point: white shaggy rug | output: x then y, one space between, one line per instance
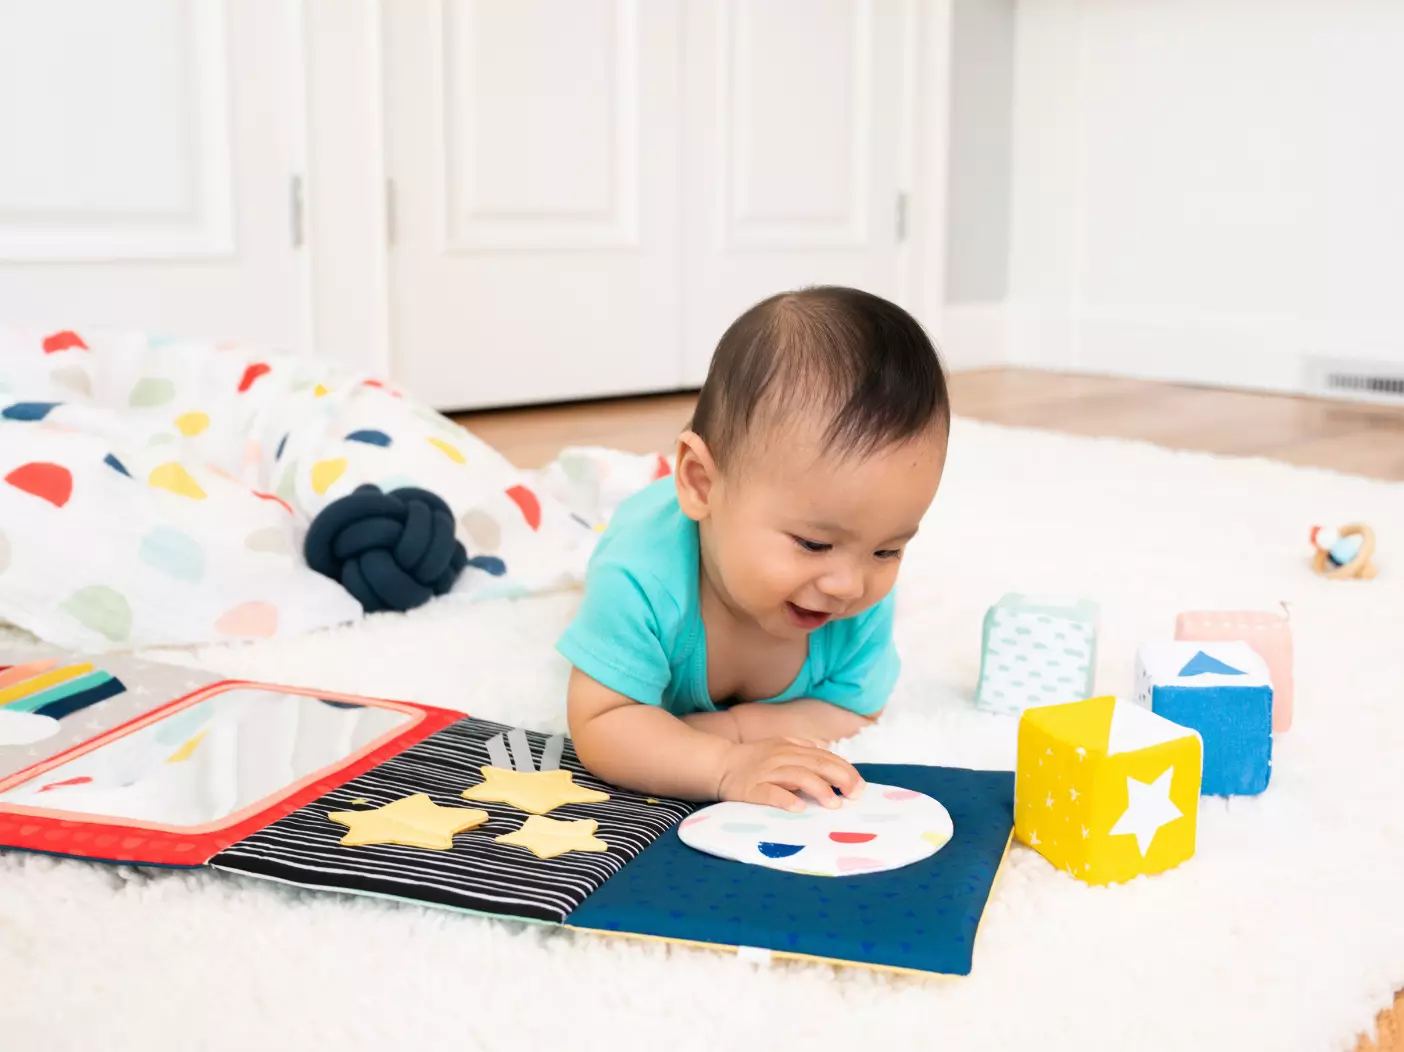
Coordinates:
1285 932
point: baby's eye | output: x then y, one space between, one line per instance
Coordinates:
812 546
889 553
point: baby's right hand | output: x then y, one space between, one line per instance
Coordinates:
772 771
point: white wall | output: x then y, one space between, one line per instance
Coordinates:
981 105
1207 190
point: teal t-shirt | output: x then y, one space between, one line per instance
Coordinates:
639 628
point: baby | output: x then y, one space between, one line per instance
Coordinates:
738 615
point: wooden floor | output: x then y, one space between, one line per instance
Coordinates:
1357 438
1389 1030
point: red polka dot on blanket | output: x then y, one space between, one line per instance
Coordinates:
63 341
50 482
252 373
527 501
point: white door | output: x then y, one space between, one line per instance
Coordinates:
795 112
147 152
533 151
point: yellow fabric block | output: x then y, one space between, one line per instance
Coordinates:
1107 790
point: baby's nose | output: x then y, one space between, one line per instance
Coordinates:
845 587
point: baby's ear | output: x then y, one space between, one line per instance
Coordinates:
694 476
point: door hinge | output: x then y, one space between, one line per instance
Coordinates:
901 216
390 211
296 212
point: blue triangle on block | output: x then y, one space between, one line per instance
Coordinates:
1202 663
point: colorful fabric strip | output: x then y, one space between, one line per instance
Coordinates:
39 699
42 682
78 702
16 673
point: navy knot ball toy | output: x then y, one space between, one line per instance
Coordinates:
392 551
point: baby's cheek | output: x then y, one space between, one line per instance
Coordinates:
774 570
881 582
787 575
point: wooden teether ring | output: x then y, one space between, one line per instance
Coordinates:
1360 567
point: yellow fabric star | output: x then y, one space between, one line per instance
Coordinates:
536 792
548 837
414 821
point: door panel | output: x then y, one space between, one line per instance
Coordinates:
792 156
148 155
533 147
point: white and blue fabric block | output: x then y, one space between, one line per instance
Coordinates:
1037 651
1223 691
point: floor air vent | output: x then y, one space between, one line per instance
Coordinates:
1366 381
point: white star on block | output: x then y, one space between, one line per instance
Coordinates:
1148 807
1074 793
1050 800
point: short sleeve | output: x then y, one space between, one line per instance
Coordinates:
617 637
862 665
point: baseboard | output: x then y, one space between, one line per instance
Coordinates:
972 335
1268 354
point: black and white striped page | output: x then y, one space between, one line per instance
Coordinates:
477 874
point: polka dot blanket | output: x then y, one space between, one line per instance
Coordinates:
157 492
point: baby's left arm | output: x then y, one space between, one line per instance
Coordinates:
809 719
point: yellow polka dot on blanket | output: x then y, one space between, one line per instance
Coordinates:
326 472
318 391
174 478
191 424
452 452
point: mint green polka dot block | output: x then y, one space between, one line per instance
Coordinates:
1037 651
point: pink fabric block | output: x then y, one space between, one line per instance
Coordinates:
1269 634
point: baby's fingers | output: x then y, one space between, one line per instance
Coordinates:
808 781
770 795
841 774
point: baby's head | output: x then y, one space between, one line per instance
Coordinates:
816 447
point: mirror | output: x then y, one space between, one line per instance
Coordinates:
211 760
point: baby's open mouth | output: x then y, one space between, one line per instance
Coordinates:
804 617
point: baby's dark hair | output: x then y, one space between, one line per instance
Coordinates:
862 361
